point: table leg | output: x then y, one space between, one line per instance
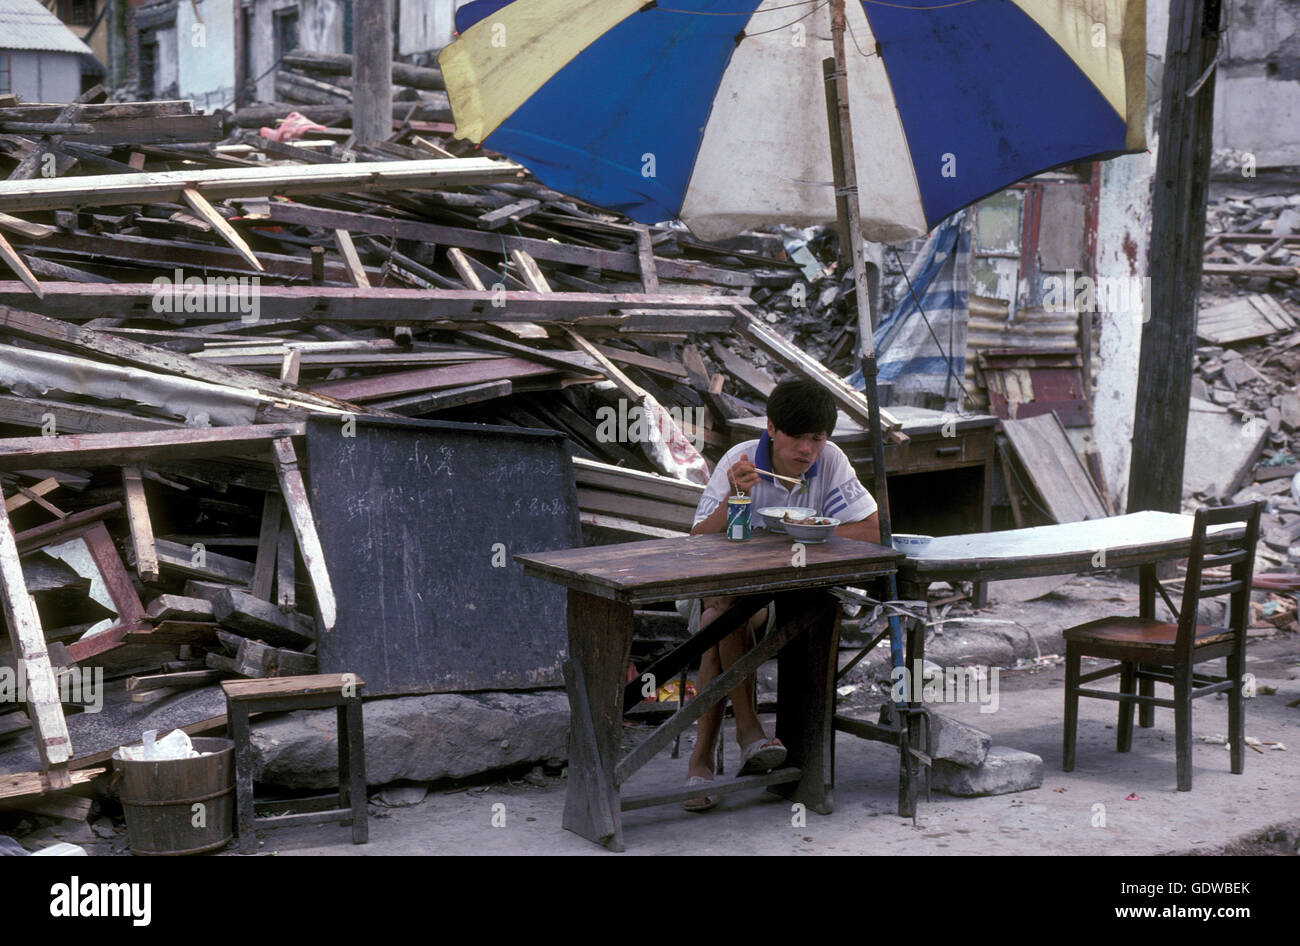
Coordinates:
806 696
600 643
979 589
237 720
907 771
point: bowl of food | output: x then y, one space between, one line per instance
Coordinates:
812 530
910 542
774 516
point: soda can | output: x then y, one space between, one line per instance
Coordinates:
738 518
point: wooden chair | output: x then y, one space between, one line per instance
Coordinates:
1152 651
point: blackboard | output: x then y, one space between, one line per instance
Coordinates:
420 522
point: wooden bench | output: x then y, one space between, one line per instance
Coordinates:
281 695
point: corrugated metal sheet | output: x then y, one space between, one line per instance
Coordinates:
25 24
988 328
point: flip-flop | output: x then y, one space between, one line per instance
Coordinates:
762 755
704 802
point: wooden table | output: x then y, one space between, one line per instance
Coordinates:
1140 539
607 582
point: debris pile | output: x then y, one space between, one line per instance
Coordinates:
1244 426
185 302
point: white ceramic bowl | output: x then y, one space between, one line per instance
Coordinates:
812 534
772 515
910 543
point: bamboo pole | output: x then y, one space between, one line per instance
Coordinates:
839 88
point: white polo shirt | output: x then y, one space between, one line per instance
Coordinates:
833 487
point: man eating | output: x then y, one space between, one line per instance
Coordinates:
800 418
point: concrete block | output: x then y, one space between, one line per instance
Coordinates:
1238 372
1004 770
958 743
1290 411
1221 450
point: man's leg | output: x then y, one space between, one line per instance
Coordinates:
714 661
733 647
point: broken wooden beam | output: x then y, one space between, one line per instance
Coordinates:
304 527
140 449
28 642
618 261
137 514
200 563
178 608
19 265
267 542
80 340
200 205
800 362
184 680
348 250
102 190
257 659
242 612
373 305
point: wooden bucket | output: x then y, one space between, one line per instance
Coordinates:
180 806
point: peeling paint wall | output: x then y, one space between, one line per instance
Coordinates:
424 26
320 29
1123 234
1257 89
205 67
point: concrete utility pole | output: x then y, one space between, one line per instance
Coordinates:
372 71
1177 236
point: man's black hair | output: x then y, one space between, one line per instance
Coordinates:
801 407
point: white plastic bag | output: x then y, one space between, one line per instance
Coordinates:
175 745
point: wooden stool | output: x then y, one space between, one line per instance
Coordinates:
282 694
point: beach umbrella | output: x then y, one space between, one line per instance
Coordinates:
713 111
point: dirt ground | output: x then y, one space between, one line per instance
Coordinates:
1112 803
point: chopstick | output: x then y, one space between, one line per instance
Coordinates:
778 476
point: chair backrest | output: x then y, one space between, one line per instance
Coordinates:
1208 552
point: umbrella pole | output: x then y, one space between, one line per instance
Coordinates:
850 224
849 218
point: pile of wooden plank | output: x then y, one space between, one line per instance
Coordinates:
182 302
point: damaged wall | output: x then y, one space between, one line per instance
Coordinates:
425 27
1257 89
1123 235
205 73
316 25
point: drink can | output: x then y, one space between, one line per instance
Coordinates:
738 518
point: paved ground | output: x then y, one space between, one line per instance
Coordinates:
1088 811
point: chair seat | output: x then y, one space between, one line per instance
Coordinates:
1142 632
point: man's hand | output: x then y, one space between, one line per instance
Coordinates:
743 475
